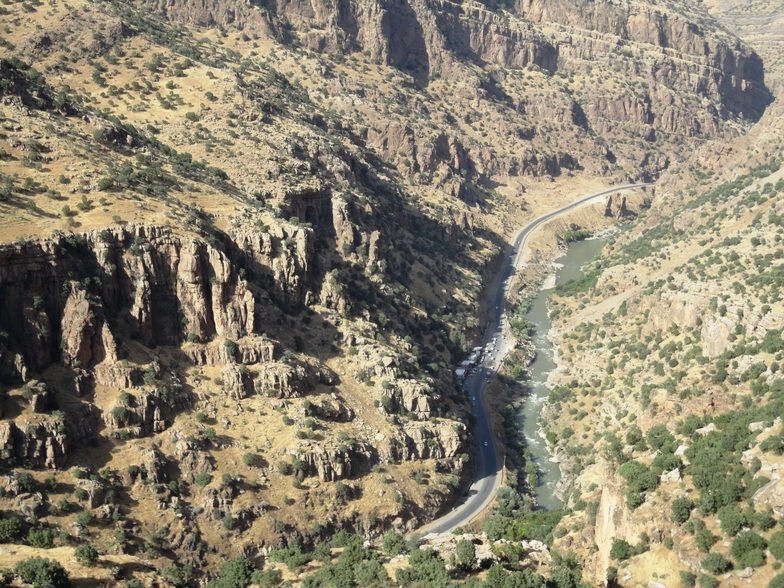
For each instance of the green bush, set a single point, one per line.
(267, 578)
(86, 555)
(235, 573)
(658, 436)
(776, 545)
(9, 529)
(704, 540)
(621, 550)
(202, 478)
(777, 582)
(85, 518)
(465, 554)
(748, 549)
(688, 580)
(41, 538)
(706, 581)
(716, 563)
(681, 509)
(394, 543)
(26, 482)
(731, 519)
(39, 570)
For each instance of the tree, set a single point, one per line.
(704, 540)
(267, 578)
(394, 543)
(681, 509)
(731, 519)
(465, 554)
(41, 538)
(688, 580)
(9, 529)
(39, 570)
(621, 550)
(658, 436)
(425, 567)
(86, 555)
(776, 545)
(716, 563)
(236, 573)
(748, 549)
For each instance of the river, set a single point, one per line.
(577, 255)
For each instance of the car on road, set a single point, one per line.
(485, 443)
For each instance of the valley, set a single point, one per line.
(244, 246)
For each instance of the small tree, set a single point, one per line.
(41, 538)
(621, 550)
(681, 509)
(236, 573)
(716, 563)
(748, 549)
(731, 519)
(776, 545)
(465, 554)
(9, 529)
(86, 555)
(394, 543)
(39, 570)
(688, 580)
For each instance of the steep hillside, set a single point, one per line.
(670, 353)
(245, 243)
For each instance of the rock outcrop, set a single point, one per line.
(41, 445)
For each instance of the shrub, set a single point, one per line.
(704, 540)
(39, 570)
(9, 529)
(777, 582)
(621, 550)
(731, 519)
(658, 436)
(776, 545)
(681, 509)
(86, 555)
(267, 578)
(688, 580)
(85, 518)
(465, 554)
(41, 538)
(394, 543)
(706, 581)
(748, 550)
(236, 573)
(202, 478)
(26, 482)
(716, 563)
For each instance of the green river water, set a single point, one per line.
(578, 254)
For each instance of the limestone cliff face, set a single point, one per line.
(680, 57)
(76, 301)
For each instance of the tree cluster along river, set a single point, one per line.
(577, 255)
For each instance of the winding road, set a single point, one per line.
(489, 473)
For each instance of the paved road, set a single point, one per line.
(489, 474)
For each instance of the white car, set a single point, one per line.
(485, 443)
